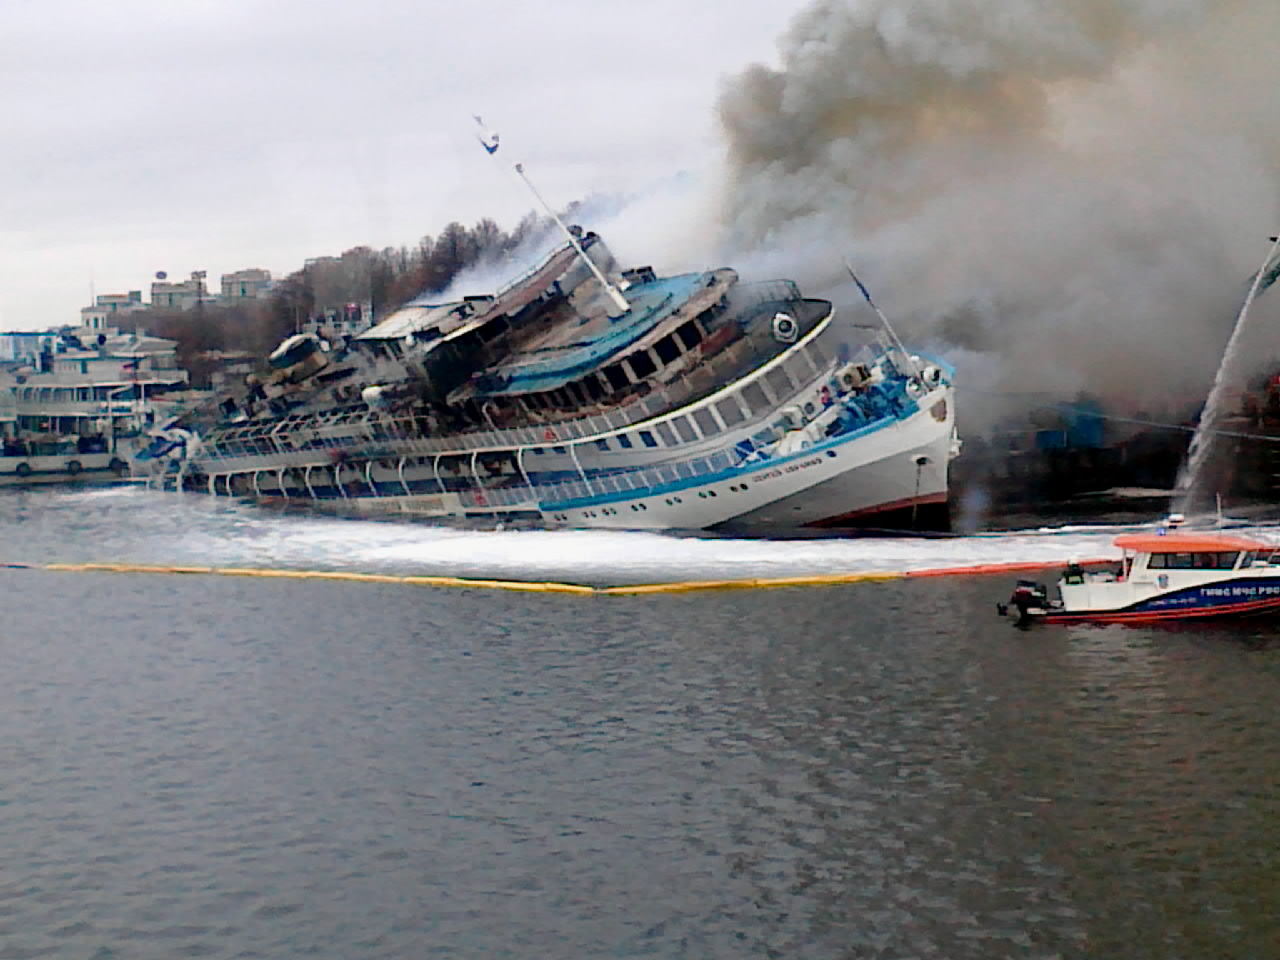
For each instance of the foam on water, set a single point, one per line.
(132, 525)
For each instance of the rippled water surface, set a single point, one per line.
(208, 766)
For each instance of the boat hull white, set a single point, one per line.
(900, 472)
(878, 469)
(60, 468)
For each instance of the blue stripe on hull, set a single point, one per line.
(1242, 597)
(825, 447)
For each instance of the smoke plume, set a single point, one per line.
(1073, 193)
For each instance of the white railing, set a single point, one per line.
(629, 481)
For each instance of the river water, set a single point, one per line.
(233, 767)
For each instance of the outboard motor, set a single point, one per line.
(1029, 599)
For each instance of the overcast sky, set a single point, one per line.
(221, 134)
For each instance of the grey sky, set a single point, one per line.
(145, 135)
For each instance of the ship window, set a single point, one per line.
(647, 437)
(685, 429)
(779, 383)
(594, 390)
(1176, 561)
(666, 349)
(800, 368)
(689, 335)
(817, 354)
(706, 421)
(616, 376)
(729, 411)
(624, 441)
(642, 365)
(753, 396)
(1216, 561)
(559, 450)
(666, 434)
(602, 444)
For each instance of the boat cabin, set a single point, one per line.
(1155, 564)
(1148, 556)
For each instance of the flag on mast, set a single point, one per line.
(488, 139)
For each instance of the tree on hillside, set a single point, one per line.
(384, 278)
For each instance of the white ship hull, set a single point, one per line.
(828, 482)
(60, 468)
(902, 473)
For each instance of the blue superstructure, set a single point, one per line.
(548, 367)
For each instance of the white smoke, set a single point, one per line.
(1078, 188)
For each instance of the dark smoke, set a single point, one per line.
(1071, 194)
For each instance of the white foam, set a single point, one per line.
(157, 528)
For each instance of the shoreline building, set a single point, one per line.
(251, 284)
(179, 294)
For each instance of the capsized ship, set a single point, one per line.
(583, 395)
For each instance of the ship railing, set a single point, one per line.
(353, 427)
(532, 272)
(639, 482)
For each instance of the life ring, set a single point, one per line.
(118, 467)
(480, 499)
(74, 467)
(549, 435)
(23, 469)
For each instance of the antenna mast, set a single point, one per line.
(915, 366)
(614, 293)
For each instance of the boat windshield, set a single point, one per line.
(1198, 560)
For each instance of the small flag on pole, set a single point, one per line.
(488, 139)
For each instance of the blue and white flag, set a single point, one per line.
(488, 139)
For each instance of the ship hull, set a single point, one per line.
(898, 484)
(871, 475)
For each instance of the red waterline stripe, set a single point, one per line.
(1187, 613)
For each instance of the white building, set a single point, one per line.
(251, 284)
(179, 294)
(107, 306)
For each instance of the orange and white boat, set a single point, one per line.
(1162, 576)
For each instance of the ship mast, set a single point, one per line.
(911, 359)
(614, 293)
